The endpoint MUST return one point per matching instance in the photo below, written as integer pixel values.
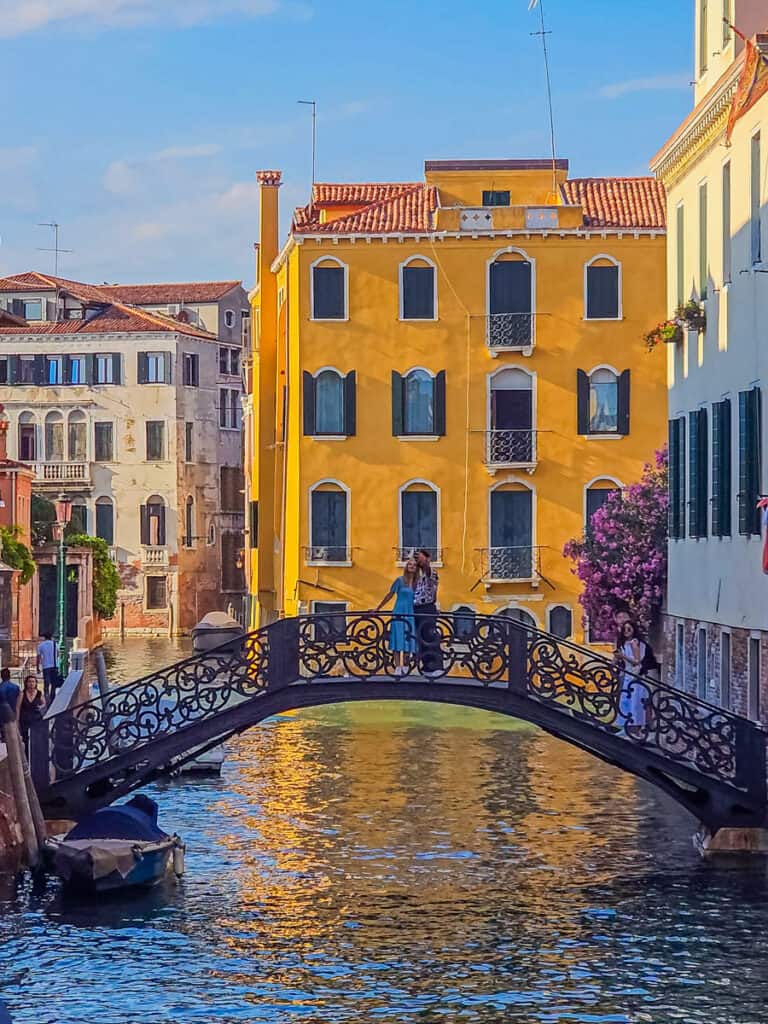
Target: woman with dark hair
(634, 657)
(31, 708)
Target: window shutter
(693, 474)
(754, 462)
(397, 404)
(725, 476)
(749, 461)
(39, 370)
(142, 368)
(717, 468)
(90, 369)
(309, 404)
(350, 404)
(674, 479)
(13, 369)
(66, 370)
(681, 474)
(144, 517)
(702, 463)
(253, 524)
(116, 368)
(167, 368)
(623, 403)
(161, 526)
(582, 402)
(440, 404)
(602, 293)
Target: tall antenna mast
(55, 250)
(543, 32)
(313, 104)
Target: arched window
(419, 520)
(54, 437)
(464, 619)
(229, 318)
(153, 522)
(329, 289)
(329, 403)
(27, 437)
(189, 522)
(561, 621)
(510, 300)
(511, 440)
(603, 402)
(511, 554)
(105, 520)
(418, 403)
(418, 289)
(602, 289)
(77, 437)
(596, 494)
(78, 519)
(329, 523)
(518, 615)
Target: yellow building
(454, 364)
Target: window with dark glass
(328, 287)
(232, 566)
(231, 487)
(27, 440)
(103, 437)
(105, 520)
(418, 284)
(511, 552)
(154, 367)
(510, 304)
(78, 518)
(31, 369)
(464, 622)
(54, 369)
(329, 404)
(677, 478)
(189, 522)
(157, 592)
(330, 619)
(229, 408)
(750, 433)
(191, 370)
(33, 309)
(602, 291)
(561, 622)
(597, 495)
(328, 526)
(418, 522)
(5, 377)
(152, 522)
(155, 440)
(188, 433)
(602, 402)
(495, 197)
(418, 404)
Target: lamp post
(63, 515)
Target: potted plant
(689, 316)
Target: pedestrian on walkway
(31, 708)
(46, 663)
(402, 628)
(425, 610)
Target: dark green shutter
(749, 461)
(90, 369)
(39, 370)
(693, 474)
(116, 369)
(142, 370)
(66, 370)
(397, 404)
(582, 402)
(14, 369)
(717, 468)
(144, 521)
(674, 479)
(350, 404)
(703, 473)
(623, 403)
(681, 474)
(309, 404)
(167, 368)
(440, 404)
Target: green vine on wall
(106, 579)
(15, 553)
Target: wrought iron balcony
(62, 474)
(154, 555)
(511, 565)
(321, 554)
(509, 330)
(403, 554)
(510, 448)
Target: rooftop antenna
(544, 32)
(313, 104)
(55, 250)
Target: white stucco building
(128, 399)
(717, 626)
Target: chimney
(3, 435)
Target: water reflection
(402, 863)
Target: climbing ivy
(15, 553)
(106, 579)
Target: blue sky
(139, 124)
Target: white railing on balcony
(154, 555)
(62, 472)
(510, 448)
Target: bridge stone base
(740, 842)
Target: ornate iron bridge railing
(488, 652)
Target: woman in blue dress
(402, 629)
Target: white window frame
(419, 437)
(155, 359)
(345, 268)
(603, 319)
(516, 606)
(157, 575)
(41, 304)
(526, 350)
(190, 359)
(438, 513)
(164, 457)
(553, 607)
(229, 315)
(604, 435)
(331, 482)
(54, 360)
(499, 485)
(228, 409)
(105, 462)
(315, 376)
(400, 272)
(601, 478)
(107, 361)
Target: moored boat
(117, 848)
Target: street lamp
(63, 514)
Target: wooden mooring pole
(16, 767)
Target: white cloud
(656, 83)
(123, 177)
(20, 16)
(16, 178)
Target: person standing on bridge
(425, 607)
(402, 628)
(46, 663)
(636, 658)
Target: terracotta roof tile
(114, 318)
(34, 281)
(618, 202)
(354, 193)
(151, 294)
(399, 208)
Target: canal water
(395, 864)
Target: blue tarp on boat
(135, 820)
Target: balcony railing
(403, 554)
(327, 554)
(511, 565)
(154, 555)
(509, 330)
(510, 448)
(59, 473)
